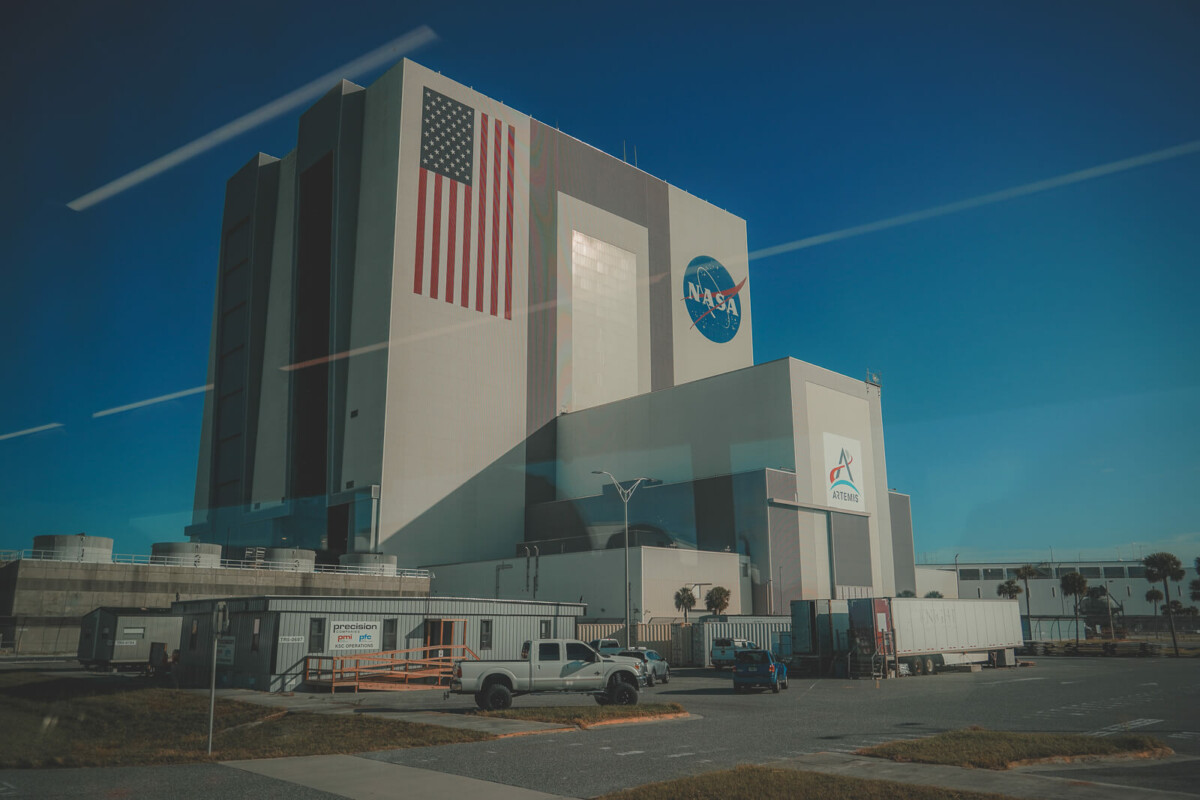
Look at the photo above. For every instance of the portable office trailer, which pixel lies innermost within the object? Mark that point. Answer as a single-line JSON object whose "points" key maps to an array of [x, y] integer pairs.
{"points": [[269, 638], [763, 631], [121, 637], [929, 633]]}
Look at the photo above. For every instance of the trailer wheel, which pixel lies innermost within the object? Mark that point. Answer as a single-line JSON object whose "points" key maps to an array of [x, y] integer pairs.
{"points": [[496, 697], [622, 694], [930, 668]]}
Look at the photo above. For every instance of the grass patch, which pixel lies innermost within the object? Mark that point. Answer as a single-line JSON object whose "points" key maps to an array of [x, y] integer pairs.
{"points": [[976, 747], [772, 783], [90, 722], [583, 716]]}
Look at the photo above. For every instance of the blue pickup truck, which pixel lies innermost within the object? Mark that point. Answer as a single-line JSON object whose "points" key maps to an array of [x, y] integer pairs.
{"points": [[758, 669]]}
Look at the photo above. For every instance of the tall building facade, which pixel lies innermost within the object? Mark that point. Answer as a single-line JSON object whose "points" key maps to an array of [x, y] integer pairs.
{"points": [[409, 300]]}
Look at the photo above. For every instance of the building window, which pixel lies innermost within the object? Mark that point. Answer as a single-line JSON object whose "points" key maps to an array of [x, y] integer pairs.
{"points": [[968, 574], [485, 634], [993, 574], [1064, 571], [389, 634], [544, 629], [1089, 572], [316, 635], [1114, 572], [254, 636], [193, 635], [134, 633], [1137, 572]]}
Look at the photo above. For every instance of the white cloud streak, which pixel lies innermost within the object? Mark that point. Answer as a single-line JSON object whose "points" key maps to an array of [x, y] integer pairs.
{"points": [[310, 91], [1188, 148], [28, 431], [143, 403]]}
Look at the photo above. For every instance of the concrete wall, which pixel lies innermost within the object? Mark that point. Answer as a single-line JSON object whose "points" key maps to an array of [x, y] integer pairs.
{"points": [[929, 579], [596, 576], [42, 602]]}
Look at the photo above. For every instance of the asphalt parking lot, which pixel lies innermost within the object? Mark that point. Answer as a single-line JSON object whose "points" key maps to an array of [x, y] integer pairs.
{"points": [[1092, 696], [1097, 696]]}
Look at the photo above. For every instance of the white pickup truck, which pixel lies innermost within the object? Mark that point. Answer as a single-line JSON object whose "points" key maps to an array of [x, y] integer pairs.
{"points": [[550, 665]]}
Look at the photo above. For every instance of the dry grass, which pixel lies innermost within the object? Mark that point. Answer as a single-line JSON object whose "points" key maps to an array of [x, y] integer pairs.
{"points": [[583, 716], [767, 783], [976, 747], [87, 722]]}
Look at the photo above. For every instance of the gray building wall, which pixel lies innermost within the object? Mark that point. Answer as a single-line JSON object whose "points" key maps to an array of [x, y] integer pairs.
{"points": [[274, 658], [42, 602], [903, 556]]}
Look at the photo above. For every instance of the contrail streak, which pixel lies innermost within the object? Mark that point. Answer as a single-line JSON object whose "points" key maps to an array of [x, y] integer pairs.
{"points": [[309, 91], [984, 199], [28, 431], [143, 403]]}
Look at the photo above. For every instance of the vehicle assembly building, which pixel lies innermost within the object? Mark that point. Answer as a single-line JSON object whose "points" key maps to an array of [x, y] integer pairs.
{"points": [[437, 318]]}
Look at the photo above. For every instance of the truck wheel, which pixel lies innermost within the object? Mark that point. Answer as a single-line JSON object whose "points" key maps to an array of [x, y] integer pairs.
{"points": [[479, 701], [496, 697], [622, 694], [667, 676], [601, 699]]}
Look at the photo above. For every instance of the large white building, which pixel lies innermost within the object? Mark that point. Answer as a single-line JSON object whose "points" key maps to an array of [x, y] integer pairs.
{"points": [[436, 317]]}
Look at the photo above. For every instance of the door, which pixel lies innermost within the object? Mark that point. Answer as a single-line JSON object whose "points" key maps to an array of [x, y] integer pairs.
{"points": [[579, 670], [441, 633], [547, 668]]}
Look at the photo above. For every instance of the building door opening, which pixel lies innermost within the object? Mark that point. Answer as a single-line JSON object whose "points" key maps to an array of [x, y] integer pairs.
{"points": [[445, 632], [337, 528]]}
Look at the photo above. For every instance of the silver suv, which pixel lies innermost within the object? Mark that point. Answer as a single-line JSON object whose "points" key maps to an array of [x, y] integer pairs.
{"points": [[657, 668]]}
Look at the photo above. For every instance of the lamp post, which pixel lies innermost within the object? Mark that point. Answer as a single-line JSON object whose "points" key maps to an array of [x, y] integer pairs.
{"points": [[1112, 633], [625, 495], [957, 588]]}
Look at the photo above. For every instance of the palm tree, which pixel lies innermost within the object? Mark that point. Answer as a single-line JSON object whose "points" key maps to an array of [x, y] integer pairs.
{"points": [[717, 600], [1165, 567], [1024, 573], [1074, 585], [934, 595], [685, 601], [1008, 589], [1154, 596]]}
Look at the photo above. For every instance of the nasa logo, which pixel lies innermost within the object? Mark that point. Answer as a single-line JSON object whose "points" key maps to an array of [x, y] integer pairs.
{"points": [[711, 298]]}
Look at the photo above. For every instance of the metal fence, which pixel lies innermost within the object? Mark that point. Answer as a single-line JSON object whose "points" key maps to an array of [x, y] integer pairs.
{"points": [[197, 561]]}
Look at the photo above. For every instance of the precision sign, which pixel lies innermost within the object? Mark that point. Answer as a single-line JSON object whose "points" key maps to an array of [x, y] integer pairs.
{"points": [[712, 299], [355, 635]]}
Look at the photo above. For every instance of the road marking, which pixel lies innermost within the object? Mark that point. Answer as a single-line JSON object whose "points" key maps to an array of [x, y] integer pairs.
{"points": [[606, 748], [1013, 680], [1066, 683], [7, 788], [680, 755], [1185, 735], [1151, 683], [1121, 727], [632, 753]]}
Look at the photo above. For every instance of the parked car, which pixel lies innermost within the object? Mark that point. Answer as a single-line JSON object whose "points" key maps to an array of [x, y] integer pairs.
{"points": [[606, 647], [657, 668], [758, 669], [724, 650]]}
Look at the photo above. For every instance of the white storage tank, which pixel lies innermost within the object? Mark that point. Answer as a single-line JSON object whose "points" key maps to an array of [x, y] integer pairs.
{"points": [[369, 563], [80, 547], [290, 559], [186, 554]]}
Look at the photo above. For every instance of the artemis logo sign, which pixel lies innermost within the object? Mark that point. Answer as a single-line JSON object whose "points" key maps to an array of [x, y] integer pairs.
{"points": [[844, 472], [711, 298]]}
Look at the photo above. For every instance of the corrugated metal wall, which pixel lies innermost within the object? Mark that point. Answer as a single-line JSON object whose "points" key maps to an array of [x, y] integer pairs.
{"points": [[756, 629], [277, 664], [672, 641]]}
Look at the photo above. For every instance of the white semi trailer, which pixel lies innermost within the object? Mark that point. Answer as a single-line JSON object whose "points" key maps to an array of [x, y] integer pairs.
{"points": [[924, 634]]}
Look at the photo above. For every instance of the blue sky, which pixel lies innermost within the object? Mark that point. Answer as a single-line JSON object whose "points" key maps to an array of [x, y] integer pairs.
{"points": [[1038, 355]]}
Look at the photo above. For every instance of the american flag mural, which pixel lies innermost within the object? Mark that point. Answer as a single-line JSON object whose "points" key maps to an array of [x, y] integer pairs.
{"points": [[464, 237]]}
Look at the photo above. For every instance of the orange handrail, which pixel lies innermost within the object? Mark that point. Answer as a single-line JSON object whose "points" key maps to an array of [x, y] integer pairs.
{"points": [[388, 669]]}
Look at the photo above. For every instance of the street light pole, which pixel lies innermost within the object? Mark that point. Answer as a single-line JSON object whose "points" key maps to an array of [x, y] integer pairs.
{"points": [[625, 495]]}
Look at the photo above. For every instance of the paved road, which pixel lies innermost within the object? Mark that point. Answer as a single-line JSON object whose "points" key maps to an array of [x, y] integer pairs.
{"points": [[1158, 696], [1097, 696]]}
